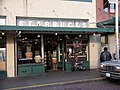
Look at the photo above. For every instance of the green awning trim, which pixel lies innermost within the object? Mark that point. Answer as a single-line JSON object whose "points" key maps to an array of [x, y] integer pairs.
{"points": [[111, 21], [53, 29]]}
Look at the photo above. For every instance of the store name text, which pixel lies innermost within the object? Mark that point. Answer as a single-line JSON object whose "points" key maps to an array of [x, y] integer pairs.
{"points": [[50, 23]]}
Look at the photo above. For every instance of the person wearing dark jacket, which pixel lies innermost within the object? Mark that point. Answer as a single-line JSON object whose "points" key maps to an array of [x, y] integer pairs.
{"points": [[115, 56], [105, 55]]}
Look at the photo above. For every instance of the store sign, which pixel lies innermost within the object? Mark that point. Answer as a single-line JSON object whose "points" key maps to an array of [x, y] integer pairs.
{"points": [[52, 22], [82, 0], [2, 21]]}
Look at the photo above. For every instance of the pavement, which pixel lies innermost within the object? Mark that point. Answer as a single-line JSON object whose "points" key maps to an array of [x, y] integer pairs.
{"points": [[49, 79]]}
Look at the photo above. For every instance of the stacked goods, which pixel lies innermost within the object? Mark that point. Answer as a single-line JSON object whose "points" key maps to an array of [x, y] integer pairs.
{"points": [[38, 59], [28, 55]]}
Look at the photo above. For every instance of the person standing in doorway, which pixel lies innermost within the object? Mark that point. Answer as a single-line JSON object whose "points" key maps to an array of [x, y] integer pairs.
{"points": [[105, 55]]}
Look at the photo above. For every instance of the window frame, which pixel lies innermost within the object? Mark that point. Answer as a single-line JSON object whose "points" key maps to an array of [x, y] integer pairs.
{"points": [[108, 7]]}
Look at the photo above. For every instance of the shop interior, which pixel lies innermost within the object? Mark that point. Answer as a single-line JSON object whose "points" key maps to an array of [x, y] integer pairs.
{"points": [[77, 46], [70, 45], [50, 44], [2, 52], [29, 49], [28, 46]]}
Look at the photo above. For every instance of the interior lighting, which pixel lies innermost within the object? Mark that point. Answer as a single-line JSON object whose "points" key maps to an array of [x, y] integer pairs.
{"points": [[55, 33], [3, 33], [75, 37], [38, 35], [20, 36], [66, 36], [80, 35], [61, 39], [25, 38], [94, 34], [35, 42], [36, 39]]}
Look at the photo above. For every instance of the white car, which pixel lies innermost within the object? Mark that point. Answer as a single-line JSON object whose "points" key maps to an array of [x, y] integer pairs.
{"points": [[110, 69]]}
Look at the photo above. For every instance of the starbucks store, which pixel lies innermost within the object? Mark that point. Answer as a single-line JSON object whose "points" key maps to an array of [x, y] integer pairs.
{"points": [[42, 45]]}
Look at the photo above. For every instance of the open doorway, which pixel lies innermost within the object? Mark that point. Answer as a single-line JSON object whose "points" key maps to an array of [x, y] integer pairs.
{"points": [[50, 47]]}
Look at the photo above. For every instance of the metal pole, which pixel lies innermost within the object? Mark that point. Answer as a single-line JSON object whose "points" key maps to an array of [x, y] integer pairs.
{"points": [[117, 31]]}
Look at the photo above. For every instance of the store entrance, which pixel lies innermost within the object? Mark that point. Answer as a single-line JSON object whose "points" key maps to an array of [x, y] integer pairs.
{"points": [[50, 49]]}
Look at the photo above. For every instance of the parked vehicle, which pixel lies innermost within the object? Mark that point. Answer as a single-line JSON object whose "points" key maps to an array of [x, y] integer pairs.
{"points": [[110, 69]]}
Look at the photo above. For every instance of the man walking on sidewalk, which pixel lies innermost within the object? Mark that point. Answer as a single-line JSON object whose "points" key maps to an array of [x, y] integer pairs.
{"points": [[105, 55]]}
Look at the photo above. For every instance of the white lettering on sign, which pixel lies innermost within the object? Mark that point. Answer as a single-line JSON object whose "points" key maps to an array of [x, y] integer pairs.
{"points": [[84, 24], [52, 23], [2, 21], [69, 24], [47, 24], [21, 23], [62, 24], [77, 24], [38, 23], [29, 23]]}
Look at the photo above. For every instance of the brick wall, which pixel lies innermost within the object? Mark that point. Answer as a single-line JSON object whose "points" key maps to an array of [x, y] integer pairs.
{"points": [[100, 14]]}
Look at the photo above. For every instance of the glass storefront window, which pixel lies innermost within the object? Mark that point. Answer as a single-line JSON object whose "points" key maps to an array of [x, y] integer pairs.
{"points": [[28, 47], [76, 47], [3, 52], [2, 48]]}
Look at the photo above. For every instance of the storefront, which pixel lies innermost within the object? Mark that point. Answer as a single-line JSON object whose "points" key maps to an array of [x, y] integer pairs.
{"points": [[44, 44], [2, 49], [52, 48], [57, 49]]}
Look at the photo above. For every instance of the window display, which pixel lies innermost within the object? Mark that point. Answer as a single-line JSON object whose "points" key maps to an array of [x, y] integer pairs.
{"points": [[77, 47], [28, 48]]}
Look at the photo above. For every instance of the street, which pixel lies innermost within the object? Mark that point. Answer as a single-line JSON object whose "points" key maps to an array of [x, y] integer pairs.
{"points": [[91, 85]]}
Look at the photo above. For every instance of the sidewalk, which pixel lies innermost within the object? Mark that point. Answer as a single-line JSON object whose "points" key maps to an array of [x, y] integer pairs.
{"points": [[49, 78]]}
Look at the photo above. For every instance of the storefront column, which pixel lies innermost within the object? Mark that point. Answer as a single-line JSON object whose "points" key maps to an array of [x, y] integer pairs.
{"points": [[63, 62], [42, 47], [58, 49], [95, 47], [109, 43], [112, 43], [10, 56]]}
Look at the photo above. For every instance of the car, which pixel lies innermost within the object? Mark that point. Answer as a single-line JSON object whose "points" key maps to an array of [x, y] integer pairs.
{"points": [[110, 69]]}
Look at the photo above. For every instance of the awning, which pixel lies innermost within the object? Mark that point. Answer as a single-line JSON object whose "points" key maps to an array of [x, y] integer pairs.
{"points": [[55, 29], [108, 23]]}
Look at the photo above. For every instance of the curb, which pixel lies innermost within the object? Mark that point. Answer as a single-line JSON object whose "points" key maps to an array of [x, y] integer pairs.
{"points": [[57, 83]]}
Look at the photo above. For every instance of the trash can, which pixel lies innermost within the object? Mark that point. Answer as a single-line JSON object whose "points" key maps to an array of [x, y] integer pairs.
{"points": [[68, 66]]}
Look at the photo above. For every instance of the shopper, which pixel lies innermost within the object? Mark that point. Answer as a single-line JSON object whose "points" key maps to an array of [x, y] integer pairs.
{"points": [[105, 55], [77, 64], [115, 56]]}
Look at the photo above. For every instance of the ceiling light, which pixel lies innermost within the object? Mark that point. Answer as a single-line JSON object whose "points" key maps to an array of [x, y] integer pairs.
{"points": [[55, 33], [3, 33], [75, 37], [66, 36], [38, 35], [94, 34], [80, 35], [19, 36]]}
